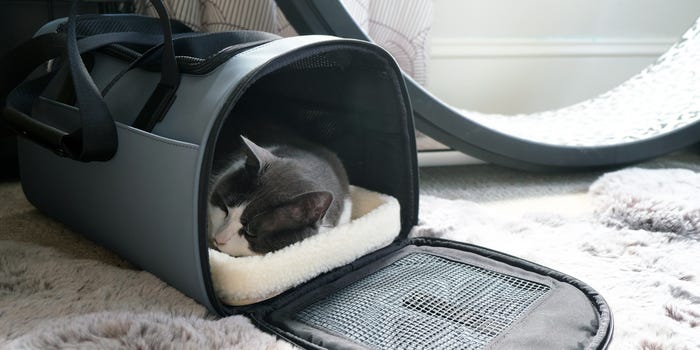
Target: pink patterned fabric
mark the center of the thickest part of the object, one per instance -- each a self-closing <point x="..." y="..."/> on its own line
<point x="402" y="27"/>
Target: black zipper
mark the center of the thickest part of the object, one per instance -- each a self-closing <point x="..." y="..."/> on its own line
<point x="187" y="64"/>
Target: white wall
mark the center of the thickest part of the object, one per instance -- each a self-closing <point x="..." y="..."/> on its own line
<point x="519" y="56"/>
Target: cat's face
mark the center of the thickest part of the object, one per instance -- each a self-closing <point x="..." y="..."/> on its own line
<point x="262" y="204"/>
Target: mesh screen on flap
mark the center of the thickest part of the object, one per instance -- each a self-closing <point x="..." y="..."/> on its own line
<point x="423" y="301"/>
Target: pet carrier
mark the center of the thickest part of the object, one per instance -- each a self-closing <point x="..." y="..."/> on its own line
<point x="131" y="171"/>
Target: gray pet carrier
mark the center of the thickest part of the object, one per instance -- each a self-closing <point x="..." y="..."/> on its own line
<point x="130" y="170"/>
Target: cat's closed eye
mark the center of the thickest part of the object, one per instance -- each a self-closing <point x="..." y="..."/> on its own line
<point x="246" y="232"/>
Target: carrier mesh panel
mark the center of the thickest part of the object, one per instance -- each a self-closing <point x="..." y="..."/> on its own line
<point x="423" y="301"/>
<point x="314" y="62"/>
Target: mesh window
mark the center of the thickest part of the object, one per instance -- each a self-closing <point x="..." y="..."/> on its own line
<point x="425" y="302"/>
<point x="318" y="61"/>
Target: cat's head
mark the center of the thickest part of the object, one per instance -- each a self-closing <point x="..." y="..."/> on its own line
<point x="264" y="203"/>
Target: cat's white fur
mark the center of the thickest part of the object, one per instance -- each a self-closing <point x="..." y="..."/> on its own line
<point x="224" y="229"/>
<point x="227" y="237"/>
<point x="347" y="211"/>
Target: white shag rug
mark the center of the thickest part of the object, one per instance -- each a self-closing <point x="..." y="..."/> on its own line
<point x="650" y="279"/>
<point x="653" y="200"/>
<point x="638" y="247"/>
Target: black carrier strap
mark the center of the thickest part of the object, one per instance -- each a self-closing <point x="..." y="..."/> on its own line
<point x="17" y="64"/>
<point x="75" y="121"/>
<point x="87" y="132"/>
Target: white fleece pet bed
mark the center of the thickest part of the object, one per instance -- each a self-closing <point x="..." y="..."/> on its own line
<point x="375" y="222"/>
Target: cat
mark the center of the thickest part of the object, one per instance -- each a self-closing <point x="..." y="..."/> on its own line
<point x="275" y="195"/>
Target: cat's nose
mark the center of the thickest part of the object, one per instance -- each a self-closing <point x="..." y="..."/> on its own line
<point x="222" y="237"/>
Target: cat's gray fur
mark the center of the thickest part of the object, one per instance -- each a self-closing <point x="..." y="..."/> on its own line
<point x="276" y="193"/>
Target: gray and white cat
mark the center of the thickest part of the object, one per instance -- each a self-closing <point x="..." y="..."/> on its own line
<point x="274" y="195"/>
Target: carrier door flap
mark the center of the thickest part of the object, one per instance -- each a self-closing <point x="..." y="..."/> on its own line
<point x="440" y="298"/>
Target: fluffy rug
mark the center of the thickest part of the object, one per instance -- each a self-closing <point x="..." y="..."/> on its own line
<point x="645" y="199"/>
<point x="651" y="279"/>
<point x="629" y="240"/>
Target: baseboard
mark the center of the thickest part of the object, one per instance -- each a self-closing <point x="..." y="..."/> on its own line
<point x="446" y="48"/>
<point x="444" y="158"/>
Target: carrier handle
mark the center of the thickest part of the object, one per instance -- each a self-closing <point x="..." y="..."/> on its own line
<point x="88" y="132"/>
<point x="48" y="121"/>
<point x="98" y="131"/>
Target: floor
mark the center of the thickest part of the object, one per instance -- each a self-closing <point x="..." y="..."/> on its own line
<point x="514" y="191"/>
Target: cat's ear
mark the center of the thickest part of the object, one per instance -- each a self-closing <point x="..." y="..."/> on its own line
<point x="309" y="207"/>
<point x="255" y="156"/>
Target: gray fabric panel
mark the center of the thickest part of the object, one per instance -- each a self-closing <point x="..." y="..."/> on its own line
<point x="139" y="204"/>
<point x="564" y="320"/>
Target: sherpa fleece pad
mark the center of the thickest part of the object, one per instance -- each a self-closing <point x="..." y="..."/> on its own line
<point x="375" y="222"/>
